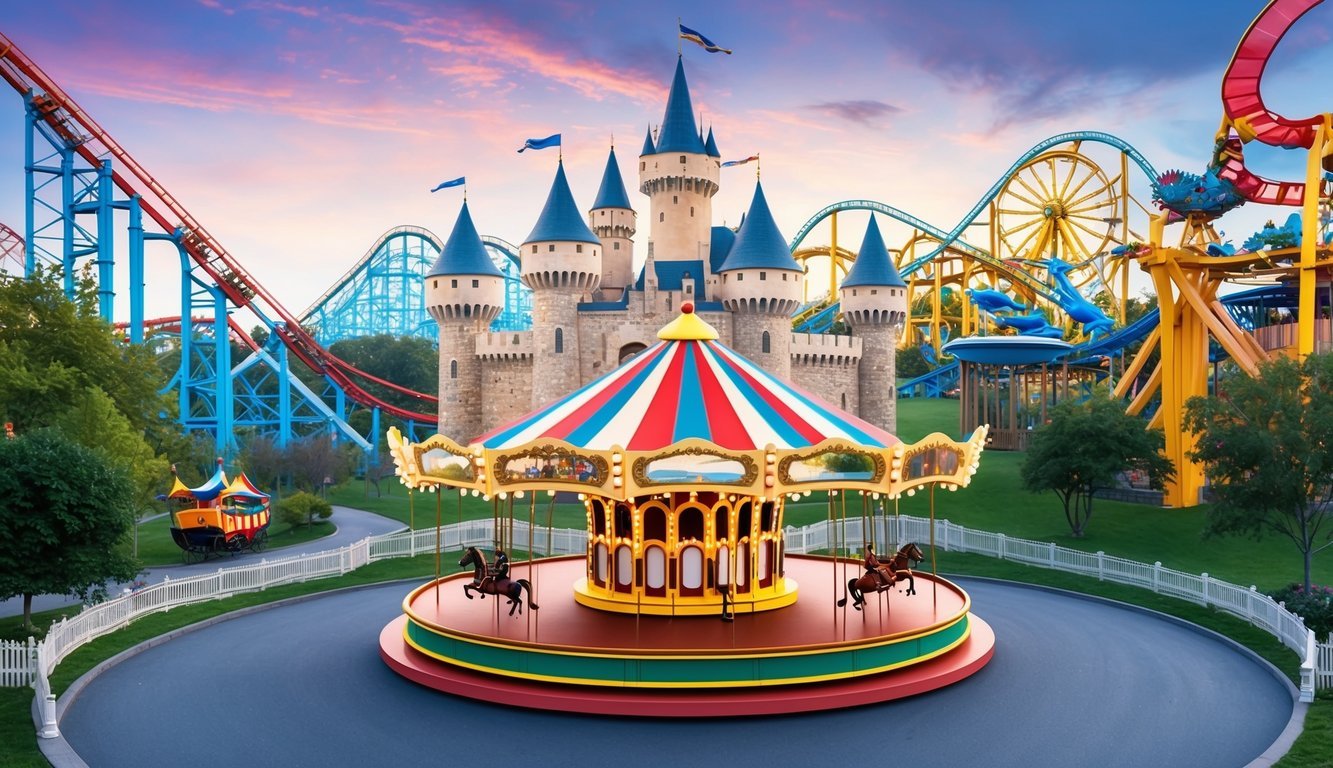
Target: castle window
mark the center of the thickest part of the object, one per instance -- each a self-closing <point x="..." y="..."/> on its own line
<point x="874" y="291"/>
<point x="689" y="288"/>
<point x="675" y="200"/>
<point x="763" y="275"/>
<point x="534" y="249"/>
<point x="578" y="248"/>
<point x="844" y="401"/>
<point x="550" y="248"/>
<point x="691" y="211"/>
<point x="616" y="246"/>
<point x="476" y="283"/>
<point x="766" y="343"/>
<point x="559" y="340"/>
<point x="682" y="159"/>
<point x="784" y="277"/>
<point x="453" y="283"/>
<point x="740" y="276"/>
<point x="661" y="216"/>
<point x="453" y="369"/>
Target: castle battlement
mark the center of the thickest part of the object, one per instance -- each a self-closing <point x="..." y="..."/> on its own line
<point x="497" y="345"/>
<point x="825" y="349"/>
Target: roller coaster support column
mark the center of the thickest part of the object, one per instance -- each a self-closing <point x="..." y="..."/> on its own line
<point x="136" y="271"/>
<point x="1309" y="242"/>
<point x="833" y="256"/>
<point x="284" y="394"/>
<point x="1186" y="281"/>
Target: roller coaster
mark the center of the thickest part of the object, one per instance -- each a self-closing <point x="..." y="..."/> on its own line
<point x="1055" y="199"/>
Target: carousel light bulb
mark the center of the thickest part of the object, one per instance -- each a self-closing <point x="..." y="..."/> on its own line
<point x="895" y="475"/>
<point x="616" y="481"/>
<point x="616" y="457"/>
<point x="583" y="497"/>
<point x="616" y="470"/>
<point x="518" y="494"/>
<point x="911" y="491"/>
<point x="486" y="497"/>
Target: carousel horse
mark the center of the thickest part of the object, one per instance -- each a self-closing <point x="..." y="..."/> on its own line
<point x="486" y="584"/>
<point x="890" y="572"/>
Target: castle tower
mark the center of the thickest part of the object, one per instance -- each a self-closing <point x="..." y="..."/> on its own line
<point x="761" y="285"/>
<point x="874" y="304"/>
<point x="680" y="179"/>
<point x="561" y="261"/>
<point x="464" y="293"/>
<point x="613" y="221"/>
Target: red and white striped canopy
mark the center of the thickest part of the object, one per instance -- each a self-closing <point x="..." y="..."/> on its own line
<point x="688" y="386"/>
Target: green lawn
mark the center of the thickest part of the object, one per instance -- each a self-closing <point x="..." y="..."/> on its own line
<point x="994" y="502"/>
<point x="420" y="511"/>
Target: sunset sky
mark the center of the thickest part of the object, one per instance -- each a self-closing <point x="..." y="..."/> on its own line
<point x="299" y="132"/>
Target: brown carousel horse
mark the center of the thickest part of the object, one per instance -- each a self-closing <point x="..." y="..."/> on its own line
<point x="881" y="576"/>
<point x="486" y="583"/>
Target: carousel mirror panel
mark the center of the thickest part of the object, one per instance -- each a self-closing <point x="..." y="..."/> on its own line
<point x="695" y="466"/>
<point x="841" y="466"/>
<point x="550" y="464"/>
<point x="932" y="462"/>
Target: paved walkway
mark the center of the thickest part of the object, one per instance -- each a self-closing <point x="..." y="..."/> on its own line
<point x="1074" y="682"/>
<point x="352" y="526"/>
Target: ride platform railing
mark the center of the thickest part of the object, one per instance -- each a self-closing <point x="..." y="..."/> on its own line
<point x="33" y="662"/>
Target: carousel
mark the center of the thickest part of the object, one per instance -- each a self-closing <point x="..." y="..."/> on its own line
<point x="684" y="600"/>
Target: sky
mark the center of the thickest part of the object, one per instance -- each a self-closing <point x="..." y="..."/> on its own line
<point x="298" y="133"/>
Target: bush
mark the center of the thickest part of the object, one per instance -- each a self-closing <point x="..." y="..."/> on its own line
<point x="301" y="508"/>
<point x="1315" y="606"/>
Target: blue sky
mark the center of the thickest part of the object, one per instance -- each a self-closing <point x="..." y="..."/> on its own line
<point x="299" y="132"/>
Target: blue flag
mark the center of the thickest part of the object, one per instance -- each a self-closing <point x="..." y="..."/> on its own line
<point x="695" y="37"/>
<point x="550" y="141"/>
<point x="458" y="182"/>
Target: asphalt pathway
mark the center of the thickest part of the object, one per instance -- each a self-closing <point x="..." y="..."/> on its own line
<point x="1074" y="682"/>
<point x="352" y="525"/>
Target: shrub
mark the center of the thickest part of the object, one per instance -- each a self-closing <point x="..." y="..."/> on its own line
<point x="301" y="508"/>
<point x="1315" y="606"/>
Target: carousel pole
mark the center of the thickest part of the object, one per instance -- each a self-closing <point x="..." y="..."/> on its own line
<point x="833" y="549"/>
<point x="439" y="511"/>
<point x="497" y="525"/>
<point x="842" y="497"/>
<point x="411" y="522"/>
<point x="934" y="574"/>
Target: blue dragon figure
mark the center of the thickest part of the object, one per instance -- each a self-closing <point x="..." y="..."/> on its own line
<point x="993" y="301"/>
<point x="1272" y="236"/>
<point x="1080" y="310"/>
<point x="1186" y="193"/>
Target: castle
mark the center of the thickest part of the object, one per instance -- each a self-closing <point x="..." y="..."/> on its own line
<point x="591" y="311"/>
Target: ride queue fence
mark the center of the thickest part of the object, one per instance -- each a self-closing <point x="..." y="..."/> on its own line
<point x="32" y="663"/>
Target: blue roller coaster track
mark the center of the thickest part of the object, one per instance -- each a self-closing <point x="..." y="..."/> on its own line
<point x="384" y="292"/>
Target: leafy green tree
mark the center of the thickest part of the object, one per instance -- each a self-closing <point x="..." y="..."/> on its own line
<point x="302" y="508"/>
<point x="1265" y="445"/>
<point x="65" y="511"/>
<point x="911" y="363"/>
<point x="1083" y="447"/>
<point x="407" y="361"/>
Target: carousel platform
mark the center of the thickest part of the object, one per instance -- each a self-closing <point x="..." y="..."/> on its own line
<point x="568" y="657"/>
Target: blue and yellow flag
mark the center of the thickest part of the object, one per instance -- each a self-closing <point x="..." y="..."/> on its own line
<point x="550" y="141"/>
<point x="694" y="37"/>
<point x="458" y="182"/>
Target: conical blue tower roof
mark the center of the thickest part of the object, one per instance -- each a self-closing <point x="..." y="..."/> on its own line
<point x="759" y="244"/>
<point x="679" y="133"/>
<point x="648" y="148"/>
<point x="873" y="265"/>
<point x="560" y="220"/>
<point x="710" y="145"/>
<point x="612" y="193"/>
<point x="463" y="253"/>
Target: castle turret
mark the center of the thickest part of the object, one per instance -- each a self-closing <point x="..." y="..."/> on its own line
<point x="464" y="293"/>
<point x="680" y="179"/>
<point x="561" y="261"/>
<point x="613" y="221"/>
<point x="761" y="284"/>
<point x="874" y="304"/>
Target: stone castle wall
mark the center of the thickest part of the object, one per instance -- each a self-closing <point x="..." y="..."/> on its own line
<point x="878" y="376"/>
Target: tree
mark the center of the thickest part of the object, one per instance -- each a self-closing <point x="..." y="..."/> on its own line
<point x="301" y="508"/>
<point x="65" y="511"/>
<point x="316" y="459"/>
<point x="1083" y="447"/>
<point x="1264" y="443"/>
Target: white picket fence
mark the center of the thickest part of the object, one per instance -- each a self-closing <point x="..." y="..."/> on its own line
<point x="31" y="663"/>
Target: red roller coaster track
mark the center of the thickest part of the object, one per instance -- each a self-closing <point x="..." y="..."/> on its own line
<point x="86" y="137"/>
<point x="1245" y="110"/>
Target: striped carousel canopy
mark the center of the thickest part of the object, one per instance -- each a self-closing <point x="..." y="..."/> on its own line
<point x="688" y="385"/>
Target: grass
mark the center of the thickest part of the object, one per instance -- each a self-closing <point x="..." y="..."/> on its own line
<point x="157" y="548"/>
<point x="995" y="502"/>
<point x="420" y="511"/>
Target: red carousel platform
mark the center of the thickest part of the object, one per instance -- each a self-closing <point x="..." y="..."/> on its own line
<point x="808" y="656"/>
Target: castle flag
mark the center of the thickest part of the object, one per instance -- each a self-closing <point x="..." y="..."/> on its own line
<point x="550" y="141"/>
<point x="749" y="159"/>
<point x="694" y="37"/>
<point x="458" y="182"/>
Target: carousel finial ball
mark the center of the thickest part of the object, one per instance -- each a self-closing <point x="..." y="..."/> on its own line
<point x="687" y="308"/>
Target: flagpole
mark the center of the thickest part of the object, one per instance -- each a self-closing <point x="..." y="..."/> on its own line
<point x="679" y="53"/>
